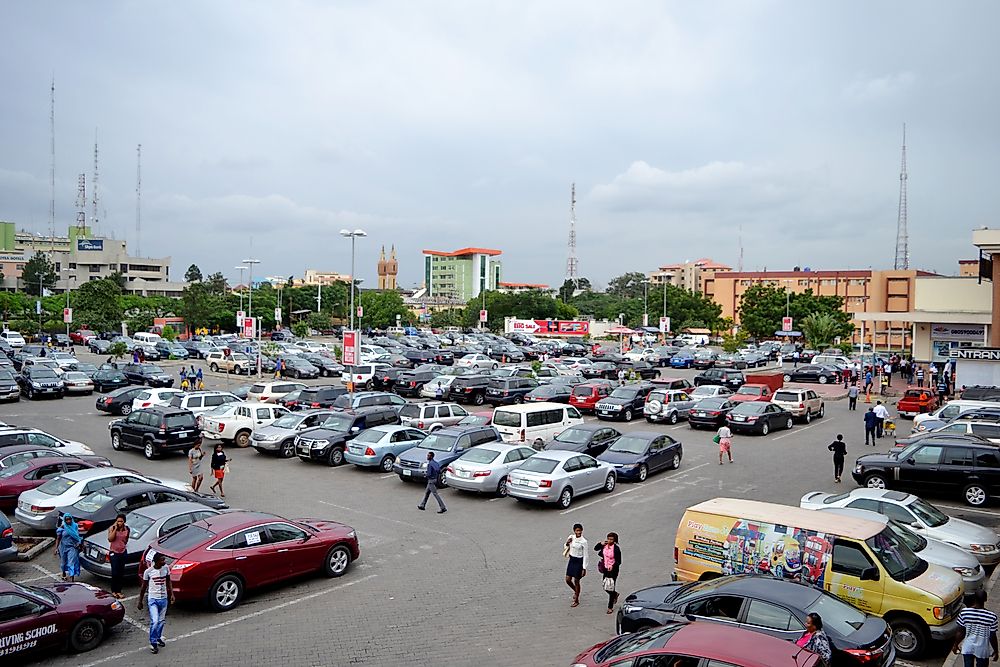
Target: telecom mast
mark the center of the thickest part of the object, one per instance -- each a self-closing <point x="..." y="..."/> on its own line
<point x="138" y="200"/>
<point x="81" y="204"/>
<point x="94" y="220"/>
<point x="571" y="260"/>
<point x="902" y="236"/>
<point x="52" y="162"/>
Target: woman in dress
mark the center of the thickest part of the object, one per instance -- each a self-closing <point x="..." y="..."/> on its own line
<point x="219" y="461"/>
<point x="815" y="640"/>
<point x="609" y="563"/>
<point x="195" y="455"/>
<point x="68" y="548"/>
<point x="576" y="549"/>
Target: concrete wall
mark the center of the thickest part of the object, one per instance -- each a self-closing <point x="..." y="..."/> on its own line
<point x="952" y="294"/>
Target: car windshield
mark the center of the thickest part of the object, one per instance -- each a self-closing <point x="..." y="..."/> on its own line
<point x="538" y="464"/>
<point x="897" y="558"/>
<point x="842" y="617"/>
<point x="151" y="368"/>
<point x="182" y="420"/>
<point x="39" y="592"/>
<point x="629" y="444"/>
<point x="753" y="408"/>
<point x="92" y="502"/>
<point x="786" y="396"/>
<point x="138" y="524"/>
<point x="915" y="542"/>
<point x="410" y="410"/>
<point x="480" y="455"/>
<point x="927" y="513"/>
<point x="56" y="486"/>
<point x="624" y="392"/>
<point x="371" y="435"/>
<point x="636" y="642"/>
<point x="39" y="373"/>
<point x="505" y="418"/>
<point x="574" y="436"/>
<point x="338" y="422"/>
<point x="288" y="421"/>
<point x="711" y="404"/>
<point x="185" y="538"/>
<point x="439" y="443"/>
<point x="750" y="391"/>
<point x="75" y="376"/>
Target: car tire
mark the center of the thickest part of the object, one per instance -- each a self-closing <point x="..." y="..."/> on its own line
<point x="822" y="411"/>
<point x="565" y="498"/>
<point x="242" y="438"/>
<point x="807" y="417"/>
<point x="225" y="593"/>
<point x="441" y="481"/>
<point x="765" y="428"/>
<point x="387" y="462"/>
<point x="643" y="472"/>
<point x="214" y="367"/>
<point x="337" y="561"/>
<point x="478" y="399"/>
<point x="788" y="423"/>
<point x="126" y="409"/>
<point x="369" y="385"/>
<point x="324" y="372"/>
<point x="496" y="366"/>
<point x="86" y="634"/>
<point x="876" y="481"/>
<point x="909" y="638"/>
<point x="976" y="495"/>
<point x="336" y="457"/>
<point x="675" y="462"/>
<point x="238" y="370"/>
<point x="116" y="441"/>
<point x="287" y="450"/>
<point x="502" y="487"/>
<point x="673" y="418"/>
<point x="31" y="394"/>
<point x="610" y="483"/>
<point x="518" y="400"/>
<point x="627" y="415"/>
<point x="149" y="449"/>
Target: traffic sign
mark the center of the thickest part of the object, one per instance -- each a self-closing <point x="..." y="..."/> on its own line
<point x="249" y="327"/>
<point x="240" y="316"/>
<point x="483" y="315"/>
<point x="786" y="324"/>
<point x="67" y="315"/>
<point x="664" y="325"/>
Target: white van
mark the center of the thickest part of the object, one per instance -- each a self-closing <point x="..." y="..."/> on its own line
<point x="15" y="339"/>
<point x="146" y="338"/>
<point x="536" y="423"/>
<point x="837" y="361"/>
<point x="951" y="410"/>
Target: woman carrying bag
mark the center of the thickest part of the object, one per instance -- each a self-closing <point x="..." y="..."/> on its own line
<point x="609" y="562"/>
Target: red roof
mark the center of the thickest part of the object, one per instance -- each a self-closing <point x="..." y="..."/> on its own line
<point x="968" y="261"/>
<point x="529" y="285"/>
<point x="463" y="251"/>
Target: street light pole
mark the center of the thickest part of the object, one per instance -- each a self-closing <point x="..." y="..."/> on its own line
<point x="241" y="269"/>
<point x="250" y="263"/>
<point x="346" y="233"/>
<point x="645" y="303"/>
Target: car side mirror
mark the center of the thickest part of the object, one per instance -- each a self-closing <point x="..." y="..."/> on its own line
<point x="916" y="526"/>
<point x="355" y="429"/>
<point x="869" y="574"/>
<point x="911" y="461"/>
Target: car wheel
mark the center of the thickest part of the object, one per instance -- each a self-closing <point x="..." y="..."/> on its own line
<point x="566" y="498"/>
<point x="336" y="457"/>
<point x="808" y="416"/>
<point x="338" y="559"/>
<point x="643" y="472"/>
<point x="609" y="483"/>
<point x="214" y="367"/>
<point x="675" y="462"/>
<point x="788" y="423"/>
<point x="502" y="487"/>
<point x="496" y="366"/>
<point x="765" y="429"/>
<point x="628" y="415"/>
<point x="116" y="441"/>
<point x="242" y="439"/>
<point x="369" y="385"/>
<point x="975" y="495"/>
<point x="518" y="400"/>
<point x="386" y="463"/>
<point x="788" y="378"/>
<point x="822" y="411"/>
<point x="909" y="638"/>
<point x="126" y="408"/>
<point x="823" y="379"/>
<point x="876" y="481"/>
<point x="86" y="634"/>
<point x="31" y="394"/>
<point x="225" y="593"/>
<point x="324" y="372"/>
<point x="673" y="418"/>
<point x="149" y="449"/>
<point x="237" y="370"/>
<point x="442" y="482"/>
<point x="287" y="449"/>
<point x="478" y="399"/>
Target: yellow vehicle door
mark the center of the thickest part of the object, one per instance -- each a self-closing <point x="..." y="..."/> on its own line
<point x="854" y="577"/>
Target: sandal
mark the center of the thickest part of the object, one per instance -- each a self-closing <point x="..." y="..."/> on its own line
<point x="576" y="603"/>
<point x="610" y="610"/>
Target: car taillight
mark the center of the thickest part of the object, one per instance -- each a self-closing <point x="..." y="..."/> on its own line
<point x="7" y="533"/>
<point x="468" y="390"/>
<point x="864" y="655"/>
<point x="802" y="405"/>
<point x="222" y="427"/>
<point x="146" y="404"/>
<point x="481" y="473"/>
<point x="369" y="451"/>
<point x="420" y="424"/>
<point x="107" y="401"/>
<point x="37" y="509"/>
<point x="545" y="484"/>
<point x="85" y="525"/>
<point x="182" y="566"/>
<point x="676" y="554"/>
<point x="360" y="377"/>
<point x="714" y="413"/>
<point x="315" y="404"/>
<point x="264" y="398"/>
<point x="413" y="384"/>
<point x="522" y="435"/>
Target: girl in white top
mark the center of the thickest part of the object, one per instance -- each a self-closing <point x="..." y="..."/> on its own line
<point x="577" y="550"/>
<point x="725" y="437"/>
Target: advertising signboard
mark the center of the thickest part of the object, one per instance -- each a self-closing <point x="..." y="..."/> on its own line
<point x="90" y="244"/>
<point x="248" y="326"/>
<point x="350" y="348"/>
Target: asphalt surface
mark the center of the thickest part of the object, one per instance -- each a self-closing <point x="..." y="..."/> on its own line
<point x="482" y="584"/>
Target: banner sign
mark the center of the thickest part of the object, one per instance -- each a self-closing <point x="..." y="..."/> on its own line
<point x="248" y="327"/>
<point x="350" y="348"/>
<point x="68" y="315"/>
<point x="551" y="327"/>
<point x="90" y="244"/>
<point x="969" y="332"/>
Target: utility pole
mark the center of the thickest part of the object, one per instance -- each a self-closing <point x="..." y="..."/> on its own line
<point x="73" y="277"/>
<point x="94" y="220"/>
<point x="138" y="200"/>
<point x="319" y="298"/>
<point x="250" y="263"/>
<point x="241" y="269"/>
<point x="52" y="167"/>
<point x="353" y="236"/>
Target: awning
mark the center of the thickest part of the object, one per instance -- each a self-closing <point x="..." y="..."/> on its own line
<point x="792" y="334"/>
<point x="618" y="330"/>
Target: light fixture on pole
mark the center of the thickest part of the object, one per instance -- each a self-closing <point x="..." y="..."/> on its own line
<point x="72" y="277"/>
<point x="249" y="263"/>
<point x="241" y="269"/>
<point x="346" y="233"/>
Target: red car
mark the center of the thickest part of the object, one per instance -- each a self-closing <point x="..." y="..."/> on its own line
<point x="33" y="618"/>
<point x="217" y="559"/>
<point x="586" y="395"/>
<point x="81" y="336"/>
<point x="686" y="644"/>
<point x="32" y="473"/>
<point x="917" y="401"/>
<point x="12" y="454"/>
<point x="752" y="392"/>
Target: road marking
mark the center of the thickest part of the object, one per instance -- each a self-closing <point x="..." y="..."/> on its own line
<point x="674" y="428"/>
<point x="385" y="518"/>
<point x="232" y="621"/>
<point x="392" y="474"/>
<point x="637" y="487"/>
<point x="793" y="431"/>
<point x="964" y="508"/>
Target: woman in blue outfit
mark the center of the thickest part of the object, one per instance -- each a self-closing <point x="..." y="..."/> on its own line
<point x="68" y="548"/>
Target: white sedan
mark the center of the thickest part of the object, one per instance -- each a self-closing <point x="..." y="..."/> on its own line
<point x="476" y="361"/>
<point x="442" y="382"/>
<point x="150" y="397"/>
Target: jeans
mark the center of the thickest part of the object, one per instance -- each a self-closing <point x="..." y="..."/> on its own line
<point x="117" y="571"/>
<point x="973" y="661"/>
<point x="879" y="426"/>
<point x="157" y="619"/>
<point x="852" y="402"/>
<point x="432" y="489"/>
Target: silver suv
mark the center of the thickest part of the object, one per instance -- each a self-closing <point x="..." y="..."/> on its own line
<point x="431" y="416"/>
<point x="804" y="404"/>
<point x="667" y="405"/>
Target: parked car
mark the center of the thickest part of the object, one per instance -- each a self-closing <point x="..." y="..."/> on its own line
<point x="588" y="438"/>
<point x="447" y="444"/>
<point x="200" y="402"/>
<point x="319" y="397"/>
<point x="38" y="382"/>
<point x="683" y="359"/>
<point x="431" y="416"/>
<point x="555" y="476"/>
<point x="409" y="383"/>
<point x="469" y="389"/>
<point x="236" y="421"/>
<point x="804" y="404"/>
<point x="269" y="392"/>
<point x="11" y="455"/>
<point x="759" y="418"/>
<point x="550" y="393"/>
<point x="118" y="401"/>
<point x="477" y="361"/>
<point x="76" y="382"/>
<point x="97" y="511"/>
<point x="812" y="373"/>
<point x="505" y="391"/>
<point x="484" y="469"/>
<point x="9" y="391"/>
<point x="956" y="429"/>
<point x="257" y="541"/>
<point x="667" y="405"/>
<point x="32" y="472"/>
<point x="108" y="379"/>
<point x="587" y="395"/>
<point x="327" y="367"/>
<point x="636" y="454"/>
<point x="710" y="412"/>
<point x="327" y="442"/>
<point x="150" y="397"/>
<point x="709" y="391"/>
<point x="623" y="402"/>
<point x="362" y="375"/>
<point x="11" y="436"/>
<point x="278" y="437"/>
<point x="727" y="360"/>
<point x="378" y="447"/>
<point x="148" y="374"/>
<point x="299" y="368"/>
<point x="155" y="430"/>
<point x="81" y="336"/>
<point x="753" y="392"/>
<point x="725" y="377"/>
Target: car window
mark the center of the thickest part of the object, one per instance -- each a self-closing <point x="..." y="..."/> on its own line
<point x="134" y="502"/>
<point x="13" y="607"/>
<point x="849" y="558"/>
<point x="212" y="401"/>
<point x="43" y="440"/>
<point x="929" y="455"/>
<point x="864" y="504"/>
<point x="717" y="606"/>
<point x="193" y="402"/>
<point x="957" y="456"/>
<point x="464" y="442"/>
<point x="175" y="522"/>
<point x="263" y="413"/>
<point x="987" y="460"/>
<point x="168" y="497"/>
<point x="283" y="532"/>
<point x="767" y="615"/>
<point x="987" y="430"/>
<point x="896" y="513"/>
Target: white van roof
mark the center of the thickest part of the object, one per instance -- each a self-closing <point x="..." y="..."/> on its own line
<point x="531" y="407"/>
<point x="786" y="515"/>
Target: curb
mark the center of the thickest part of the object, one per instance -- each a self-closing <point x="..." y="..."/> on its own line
<point x="43" y="544"/>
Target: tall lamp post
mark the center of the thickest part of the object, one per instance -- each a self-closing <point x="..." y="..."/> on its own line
<point x="72" y="277"/>
<point x="348" y="234"/>
<point x="645" y="304"/>
<point x="241" y="269"/>
<point x="249" y="263"/>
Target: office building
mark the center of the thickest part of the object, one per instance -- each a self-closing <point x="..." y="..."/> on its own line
<point x="688" y="275"/>
<point x="462" y="274"/>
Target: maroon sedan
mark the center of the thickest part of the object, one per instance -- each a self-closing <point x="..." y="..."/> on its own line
<point x="75" y="616"/>
<point x="12" y="454"/>
<point x="684" y="644"/>
<point x="217" y="559"/>
<point x="31" y="473"/>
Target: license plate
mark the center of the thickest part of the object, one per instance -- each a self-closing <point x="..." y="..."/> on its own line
<point x="464" y="473"/>
<point x="94" y="553"/>
<point x="182" y="434"/>
<point x="407" y="473"/>
<point x="522" y="482"/>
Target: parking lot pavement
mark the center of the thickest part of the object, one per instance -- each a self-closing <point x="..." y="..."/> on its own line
<point x="482" y="584"/>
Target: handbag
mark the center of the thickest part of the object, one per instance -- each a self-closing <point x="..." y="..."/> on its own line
<point x="717" y="439"/>
<point x="609" y="584"/>
<point x="225" y="468"/>
<point x="566" y="551"/>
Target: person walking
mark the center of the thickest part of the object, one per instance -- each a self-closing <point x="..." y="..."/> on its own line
<point x="871" y="422"/>
<point x="795" y="358"/>
<point x="942" y="389"/>
<point x="68" y="542"/>
<point x="195" y="456"/>
<point x="575" y="550"/>
<point x="277" y="369"/>
<point x="887" y="373"/>
<point x="201" y="380"/>
<point x="852" y="397"/>
<point x="220" y="465"/>
<point x="118" y="535"/>
<point x="433" y="474"/>
<point x="839" y="449"/>
<point x="609" y="561"/>
<point x="881" y="414"/>
<point x="156" y="582"/>
<point x="976" y="640"/>
<point x="934" y="375"/>
<point x="815" y="640"/>
<point x="868" y="381"/>
<point x="621" y="376"/>
<point x="725" y="439"/>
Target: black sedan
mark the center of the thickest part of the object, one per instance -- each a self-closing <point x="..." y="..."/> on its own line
<point x="731" y="361"/>
<point x="299" y="368"/>
<point x="600" y="369"/>
<point x="326" y="365"/>
<point x="638" y="453"/>
<point x="148" y="374"/>
<point x="119" y="401"/>
<point x="107" y="379"/>
<point x="758" y="417"/>
<point x="552" y="392"/>
<point x="97" y="511"/>
<point x="813" y="373"/>
<point x="409" y="383"/>
<point x="767" y="605"/>
<point x="98" y="345"/>
<point x="710" y="412"/>
<point x="592" y="439"/>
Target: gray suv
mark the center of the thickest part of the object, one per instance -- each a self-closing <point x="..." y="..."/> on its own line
<point x="667" y="405"/>
<point x="431" y="416"/>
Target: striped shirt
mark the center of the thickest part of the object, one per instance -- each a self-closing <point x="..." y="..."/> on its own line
<point x="979" y="624"/>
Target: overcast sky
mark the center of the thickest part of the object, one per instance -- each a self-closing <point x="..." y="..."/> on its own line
<point x="268" y="126"/>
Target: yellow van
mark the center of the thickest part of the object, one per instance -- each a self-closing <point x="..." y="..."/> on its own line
<point x="859" y="561"/>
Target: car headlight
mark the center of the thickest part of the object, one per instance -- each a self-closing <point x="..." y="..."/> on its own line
<point x="116" y="605"/>
<point x="352" y="534"/>
<point x="423" y="466"/>
<point x="36" y="385"/>
<point x="320" y="444"/>
<point x="858" y="468"/>
<point x="629" y="608"/>
<point x="966" y="571"/>
<point x="982" y="548"/>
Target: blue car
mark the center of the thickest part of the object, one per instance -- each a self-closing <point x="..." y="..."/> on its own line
<point x="8" y="550"/>
<point x="379" y="447"/>
<point x="447" y="444"/>
<point x="637" y="454"/>
<point x="682" y="359"/>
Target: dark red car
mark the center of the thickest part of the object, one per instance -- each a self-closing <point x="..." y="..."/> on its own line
<point x="586" y="395"/>
<point x="31" y="473"/>
<point x="685" y="644"/>
<point x="752" y="392"/>
<point x="34" y="618"/>
<point x="12" y="454"/>
<point x="216" y="560"/>
<point x="81" y="336"/>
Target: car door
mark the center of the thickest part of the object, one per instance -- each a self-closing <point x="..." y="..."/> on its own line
<point x="290" y="543"/>
<point x="25" y="616"/>
<point x="131" y="432"/>
<point x="922" y="468"/>
<point x="654" y="453"/>
<point x="771" y="619"/>
<point x="132" y="502"/>
<point x="255" y="560"/>
<point x="593" y="471"/>
<point x="727" y="609"/>
<point x="988" y="470"/>
<point x="957" y="465"/>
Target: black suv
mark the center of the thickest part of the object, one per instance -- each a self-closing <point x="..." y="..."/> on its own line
<point x="968" y="465"/>
<point x="149" y="374"/>
<point x="724" y="377"/>
<point x="504" y="391"/>
<point x="327" y="443"/>
<point x="469" y="389"/>
<point x="38" y="381"/>
<point x="624" y="402"/>
<point x="417" y="357"/>
<point x="981" y="393"/>
<point x="386" y="378"/>
<point x="409" y="383"/>
<point x="368" y="399"/>
<point x="155" y="430"/>
<point x="643" y="369"/>
<point x="319" y="397"/>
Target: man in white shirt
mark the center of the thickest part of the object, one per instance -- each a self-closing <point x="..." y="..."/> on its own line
<point x="882" y="414"/>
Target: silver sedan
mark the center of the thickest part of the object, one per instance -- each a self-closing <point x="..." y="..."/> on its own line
<point x="485" y="468"/>
<point x="559" y="477"/>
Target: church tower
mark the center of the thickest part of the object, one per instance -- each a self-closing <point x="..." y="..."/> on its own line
<point x="391" y="268"/>
<point x="382" y="276"/>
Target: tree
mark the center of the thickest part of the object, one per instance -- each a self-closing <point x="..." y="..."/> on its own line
<point x="38" y="274"/>
<point x="571" y="286"/>
<point x="193" y="274"/>
<point x="381" y="308"/>
<point x="731" y="342"/>
<point x="318" y="321"/>
<point x="627" y="286"/>
<point x="450" y="317"/>
<point x="820" y="330"/>
<point x="762" y="307"/>
<point x="98" y="304"/>
<point x="300" y="329"/>
<point x="118" y="350"/>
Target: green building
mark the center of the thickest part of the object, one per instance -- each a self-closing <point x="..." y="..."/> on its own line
<point x="463" y="274"/>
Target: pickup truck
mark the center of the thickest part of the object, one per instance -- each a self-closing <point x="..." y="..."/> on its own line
<point x="237" y="421"/>
<point x="234" y="362"/>
<point x="917" y="401"/>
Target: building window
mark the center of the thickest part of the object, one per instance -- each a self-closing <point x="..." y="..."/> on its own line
<point x="427" y="274"/>
<point x="58" y="267"/>
<point x="829" y="282"/>
<point x="113" y="267"/>
<point x="72" y="265"/>
<point x="19" y="267"/>
<point x="95" y="268"/>
<point x="124" y="268"/>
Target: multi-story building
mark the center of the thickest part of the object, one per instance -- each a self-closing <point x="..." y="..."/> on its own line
<point x="862" y="291"/>
<point x="80" y="256"/>
<point x="462" y="274"/>
<point x="315" y="277"/>
<point x="688" y="275"/>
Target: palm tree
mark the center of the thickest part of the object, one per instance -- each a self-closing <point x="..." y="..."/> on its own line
<point x="819" y="330"/>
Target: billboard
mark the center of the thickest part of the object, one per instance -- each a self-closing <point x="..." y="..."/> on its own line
<point x="551" y="327"/>
<point x="90" y="244"/>
<point x="351" y="348"/>
<point x="968" y="332"/>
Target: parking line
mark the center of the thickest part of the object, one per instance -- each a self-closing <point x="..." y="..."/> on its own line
<point x="634" y="488"/>
<point x="794" y="431"/>
<point x="392" y="474"/>
<point x="238" y="619"/>
<point x="385" y="518"/>
<point x="964" y="508"/>
<point x="674" y="428"/>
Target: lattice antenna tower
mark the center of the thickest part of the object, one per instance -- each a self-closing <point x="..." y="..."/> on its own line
<point x="902" y="235"/>
<point x="52" y="162"/>
<point x="95" y="200"/>
<point x="572" y="263"/>
<point x="81" y="203"/>
<point x="138" y="200"/>
<point x="739" y="266"/>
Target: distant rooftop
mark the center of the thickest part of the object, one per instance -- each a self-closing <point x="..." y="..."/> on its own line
<point x="464" y="251"/>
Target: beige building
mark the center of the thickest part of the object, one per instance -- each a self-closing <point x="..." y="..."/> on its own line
<point x="313" y="277"/>
<point x="387" y="270"/>
<point x="688" y="275"/>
